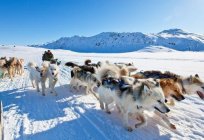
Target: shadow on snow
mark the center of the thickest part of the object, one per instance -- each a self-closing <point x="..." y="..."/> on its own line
<point x="90" y="124"/>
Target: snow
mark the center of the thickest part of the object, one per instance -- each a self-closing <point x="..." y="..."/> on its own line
<point x="109" y="42"/>
<point x="156" y="49"/>
<point x="29" y="115"/>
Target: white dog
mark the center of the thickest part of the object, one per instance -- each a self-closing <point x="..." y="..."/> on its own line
<point x="53" y="76"/>
<point x="37" y="76"/>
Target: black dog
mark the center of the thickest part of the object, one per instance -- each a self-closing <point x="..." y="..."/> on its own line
<point x="90" y="69"/>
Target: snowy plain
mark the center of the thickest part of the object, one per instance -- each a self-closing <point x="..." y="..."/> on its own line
<point x="76" y="116"/>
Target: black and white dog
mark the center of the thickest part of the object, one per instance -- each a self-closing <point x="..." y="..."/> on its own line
<point x="82" y="78"/>
<point x="134" y="98"/>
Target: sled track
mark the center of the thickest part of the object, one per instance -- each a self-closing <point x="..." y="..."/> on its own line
<point x="77" y="111"/>
<point x="102" y="117"/>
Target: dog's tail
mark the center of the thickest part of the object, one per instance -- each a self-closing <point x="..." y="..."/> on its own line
<point x="46" y="64"/>
<point x="31" y="65"/>
<point x="107" y="70"/>
<point x="22" y="60"/>
<point x="71" y="64"/>
<point x="87" y="62"/>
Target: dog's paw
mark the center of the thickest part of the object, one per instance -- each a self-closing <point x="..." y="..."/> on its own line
<point x="140" y="125"/>
<point x="136" y="126"/>
<point x="171" y="102"/>
<point x="102" y="107"/>
<point x="172" y="126"/>
<point x="129" y="129"/>
<point x="108" y="112"/>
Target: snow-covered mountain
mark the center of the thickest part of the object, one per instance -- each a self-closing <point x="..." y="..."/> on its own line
<point x="176" y="39"/>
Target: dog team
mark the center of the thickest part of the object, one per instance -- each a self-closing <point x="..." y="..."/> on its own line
<point x="133" y="94"/>
<point x="130" y="92"/>
<point x="12" y="66"/>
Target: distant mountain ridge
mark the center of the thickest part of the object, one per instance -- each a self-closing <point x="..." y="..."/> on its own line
<point x="112" y="42"/>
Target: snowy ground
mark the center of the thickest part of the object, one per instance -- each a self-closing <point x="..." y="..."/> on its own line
<point x="30" y="116"/>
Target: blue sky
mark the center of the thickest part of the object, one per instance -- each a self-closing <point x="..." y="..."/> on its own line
<point x="40" y="21"/>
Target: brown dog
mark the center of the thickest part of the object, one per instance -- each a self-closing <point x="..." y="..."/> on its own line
<point x="172" y="88"/>
<point x="190" y="85"/>
<point x="9" y="67"/>
<point x="19" y="66"/>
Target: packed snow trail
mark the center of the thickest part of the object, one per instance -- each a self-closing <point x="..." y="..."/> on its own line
<point x="29" y="116"/>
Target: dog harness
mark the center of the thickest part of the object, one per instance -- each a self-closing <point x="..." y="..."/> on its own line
<point x="121" y="83"/>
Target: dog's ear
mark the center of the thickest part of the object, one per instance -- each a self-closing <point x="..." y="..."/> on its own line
<point x="58" y="63"/>
<point x="37" y="68"/>
<point x="176" y="79"/>
<point x="196" y="75"/>
<point x="157" y="84"/>
<point x="163" y="83"/>
<point x="92" y="70"/>
<point x="146" y="90"/>
<point x="72" y="74"/>
<point x="99" y="63"/>
<point x="130" y="64"/>
<point x="190" y="79"/>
